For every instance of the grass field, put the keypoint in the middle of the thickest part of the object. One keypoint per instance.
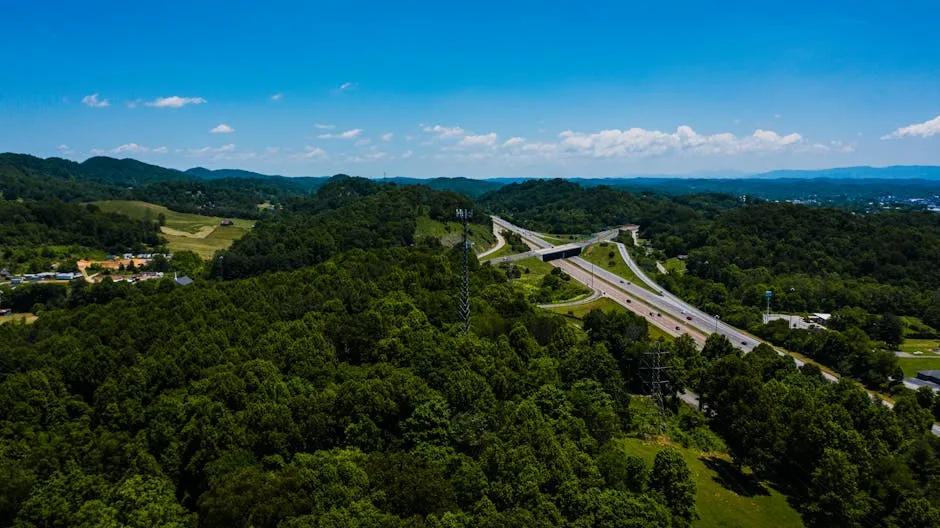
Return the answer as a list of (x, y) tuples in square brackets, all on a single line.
[(504, 251), (534, 270), (600, 256), (577, 312), (560, 239), (451, 233), (920, 345), (724, 497), (28, 318), (675, 265), (910, 366), (184, 231)]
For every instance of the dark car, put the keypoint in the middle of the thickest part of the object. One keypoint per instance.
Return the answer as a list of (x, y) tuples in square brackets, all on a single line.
[(658, 314), (689, 317), (628, 300), (677, 328), (744, 343)]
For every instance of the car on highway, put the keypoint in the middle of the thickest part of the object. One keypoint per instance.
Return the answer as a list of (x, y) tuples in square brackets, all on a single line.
[(744, 343), (658, 314), (689, 317), (677, 328), (628, 300)]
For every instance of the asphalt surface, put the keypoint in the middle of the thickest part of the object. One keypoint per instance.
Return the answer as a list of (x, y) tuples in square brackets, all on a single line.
[(500, 242)]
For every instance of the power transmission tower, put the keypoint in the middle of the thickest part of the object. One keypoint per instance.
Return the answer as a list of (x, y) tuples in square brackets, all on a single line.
[(652, 368), (463, 304)]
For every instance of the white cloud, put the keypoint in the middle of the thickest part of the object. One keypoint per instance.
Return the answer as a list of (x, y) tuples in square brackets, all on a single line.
[(277, 97), (65, 149), (514, 141), (373, 156), (222, 129), (130, 148), (482, 140), (133, 104), (272, 150), (346, 86), (777, 116), (207, 151), (92, 101), (444, 132), (349, 134), (312, 153), (387, 136), (362, 142), (638, 142), (174, 101), (324, 127), (925, 130), (407, 154)]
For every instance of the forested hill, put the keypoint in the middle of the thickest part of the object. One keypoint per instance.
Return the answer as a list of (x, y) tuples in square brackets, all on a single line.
[(30, 224), (304, 183), (561, 206), (345, 213), (102, 178)]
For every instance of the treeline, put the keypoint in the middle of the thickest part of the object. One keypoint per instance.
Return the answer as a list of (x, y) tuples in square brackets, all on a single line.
[(344, 214), (340, 395), (102, 178)]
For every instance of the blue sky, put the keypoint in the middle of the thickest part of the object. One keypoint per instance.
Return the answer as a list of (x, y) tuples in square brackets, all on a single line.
[(477, 89)]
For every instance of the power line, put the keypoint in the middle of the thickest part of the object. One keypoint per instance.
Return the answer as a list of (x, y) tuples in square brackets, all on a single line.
[(463, 303), (652, 368)]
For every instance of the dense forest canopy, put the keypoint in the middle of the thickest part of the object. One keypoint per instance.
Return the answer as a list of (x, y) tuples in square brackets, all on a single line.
[(345, 213), (561, 206)]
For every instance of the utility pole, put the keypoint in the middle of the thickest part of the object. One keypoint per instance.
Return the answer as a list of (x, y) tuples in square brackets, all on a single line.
[(463, 304), (716, 322), (652, 368), (768, 294), (222, 267)]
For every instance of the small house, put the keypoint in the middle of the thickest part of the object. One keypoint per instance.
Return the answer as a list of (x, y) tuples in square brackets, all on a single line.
[(226, 223), (66, 276), (128, 256), (5, 312), (183, 281), (4, 273), (16, 280)]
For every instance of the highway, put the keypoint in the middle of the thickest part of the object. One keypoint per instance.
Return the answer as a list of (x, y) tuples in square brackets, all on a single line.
[(690, 319)]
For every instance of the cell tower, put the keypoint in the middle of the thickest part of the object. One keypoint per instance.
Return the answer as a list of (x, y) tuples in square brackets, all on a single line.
[(463, 304), (652, 369)]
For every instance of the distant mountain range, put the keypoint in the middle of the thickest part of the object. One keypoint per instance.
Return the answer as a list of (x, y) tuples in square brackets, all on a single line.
[(26, 176)]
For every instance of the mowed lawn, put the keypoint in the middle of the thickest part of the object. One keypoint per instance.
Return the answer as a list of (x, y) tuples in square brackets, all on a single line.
[(724, 496), (910, 366), (184, 231), (451, 233), (600, 256)]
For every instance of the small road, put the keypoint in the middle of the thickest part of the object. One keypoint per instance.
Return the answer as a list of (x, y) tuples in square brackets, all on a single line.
[(500, 242), (595, 295)]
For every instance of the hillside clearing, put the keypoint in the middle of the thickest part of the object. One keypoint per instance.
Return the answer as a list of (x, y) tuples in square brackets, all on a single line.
[(184, 231), (725, 497)]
